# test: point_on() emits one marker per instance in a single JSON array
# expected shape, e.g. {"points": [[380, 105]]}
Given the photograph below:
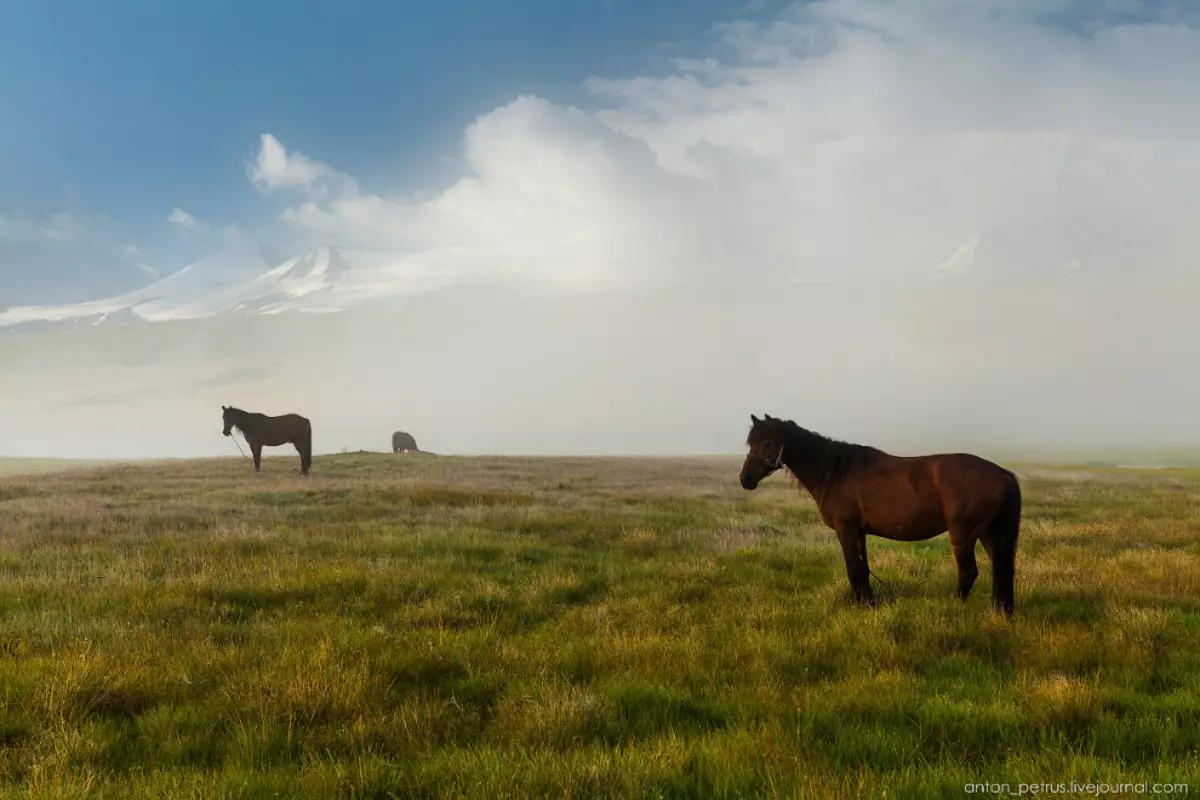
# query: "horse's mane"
{"points": [[832, 457], [241, 416]]}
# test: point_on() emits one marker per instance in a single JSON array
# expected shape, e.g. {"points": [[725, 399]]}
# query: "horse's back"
{"points": [[918, 497], [967, 471], [291, 422], [283, 429]]}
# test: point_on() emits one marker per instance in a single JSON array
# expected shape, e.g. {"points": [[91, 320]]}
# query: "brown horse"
{"points": [[863, 491], [263, 431]]}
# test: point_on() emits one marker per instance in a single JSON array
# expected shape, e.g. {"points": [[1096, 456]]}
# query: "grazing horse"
{"points": [[863, 491], [261, 430], [403, 442]]}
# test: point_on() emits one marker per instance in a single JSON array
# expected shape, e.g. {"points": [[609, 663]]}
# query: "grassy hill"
{"points": [[422, 626]]}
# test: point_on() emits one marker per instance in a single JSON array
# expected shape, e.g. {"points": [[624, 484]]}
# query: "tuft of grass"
{"points": [[503, 627]]}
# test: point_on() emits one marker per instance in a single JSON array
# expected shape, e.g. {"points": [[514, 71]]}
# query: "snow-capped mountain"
{"points": [[322, 280], [1014, 254], [1053, 248], [962, 260]]}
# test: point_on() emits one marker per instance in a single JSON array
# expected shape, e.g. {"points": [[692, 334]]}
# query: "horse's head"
{"points": [[227, 416], [765, 441]]}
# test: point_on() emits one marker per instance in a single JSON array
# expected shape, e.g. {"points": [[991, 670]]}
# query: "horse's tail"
{"points": [[306, 447], [1003, 531]]}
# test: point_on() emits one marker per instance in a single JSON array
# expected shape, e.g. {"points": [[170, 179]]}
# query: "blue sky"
{"points": [[128, 109]]}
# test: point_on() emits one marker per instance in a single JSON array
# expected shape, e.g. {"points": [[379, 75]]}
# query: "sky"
{"points": [[759, 192], [129, 124]]}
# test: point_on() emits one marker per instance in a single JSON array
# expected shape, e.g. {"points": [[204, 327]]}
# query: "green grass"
{"points": [[416, 626]]}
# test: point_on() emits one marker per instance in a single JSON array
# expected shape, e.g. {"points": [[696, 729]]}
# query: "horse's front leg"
{"points": [[256, 450], [854, 549]]}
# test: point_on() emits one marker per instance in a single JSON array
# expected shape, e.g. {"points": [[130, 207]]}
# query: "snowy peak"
{"points": [[322, 280], [1014, 253], [325, 263], [1071, 245], [961, 260], [320, 271]]}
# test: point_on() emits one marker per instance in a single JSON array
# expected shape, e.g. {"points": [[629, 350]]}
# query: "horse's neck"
{"points": [[813, 462], [244, 420]]}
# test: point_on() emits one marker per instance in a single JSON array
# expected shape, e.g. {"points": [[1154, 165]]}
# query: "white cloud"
{"points": [[64, 227], [556, 195], [232, 235], [63, 255], [203, 231], [848, 138], [134, 255], [59, 227], [275, 168], [14, 229], [183, 219]]}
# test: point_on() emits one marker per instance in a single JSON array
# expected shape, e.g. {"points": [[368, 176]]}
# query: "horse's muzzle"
{"points": [[748, 482]]}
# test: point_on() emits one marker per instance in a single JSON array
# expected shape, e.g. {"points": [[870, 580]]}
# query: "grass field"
{"points": [[421, 626]]}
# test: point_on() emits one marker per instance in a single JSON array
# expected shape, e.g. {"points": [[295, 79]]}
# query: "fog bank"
{"points": [[928, 364]]}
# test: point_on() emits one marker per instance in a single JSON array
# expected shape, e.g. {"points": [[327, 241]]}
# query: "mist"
{"points": [[922, 227], [652, 372]]}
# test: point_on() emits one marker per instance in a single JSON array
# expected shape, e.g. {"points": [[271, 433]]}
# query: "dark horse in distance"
{"points": [[403, 443], [263, 431], [863, 491]]}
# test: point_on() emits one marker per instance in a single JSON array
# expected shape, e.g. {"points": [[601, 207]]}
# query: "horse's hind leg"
{"points": [[1003, 558], [304, 448], [256, 451]]}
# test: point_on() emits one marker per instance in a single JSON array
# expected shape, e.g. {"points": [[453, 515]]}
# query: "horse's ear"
{"points": [[768, 418], [755, 420], [224, 408]]}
